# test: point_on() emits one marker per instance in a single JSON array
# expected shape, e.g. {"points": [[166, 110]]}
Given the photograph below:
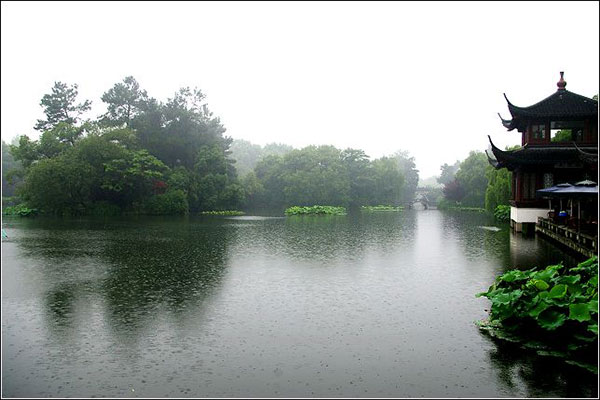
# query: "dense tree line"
{"points": [[12, 172], [247, 154], [324, 175], [141, 156], [473, 182], [153, 157]]}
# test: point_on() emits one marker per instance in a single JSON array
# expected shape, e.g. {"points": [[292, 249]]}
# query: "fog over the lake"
{"points": [[425, 77]]}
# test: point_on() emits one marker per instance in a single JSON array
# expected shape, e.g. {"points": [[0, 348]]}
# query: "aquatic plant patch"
{"points": [[315, 210], [20, 210], [227, 212], [381, 208], [553, 311]]}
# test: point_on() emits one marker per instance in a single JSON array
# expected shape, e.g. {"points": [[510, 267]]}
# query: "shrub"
{"points": [[172, 202], [502, 213], [554, 311], [104, 208]]}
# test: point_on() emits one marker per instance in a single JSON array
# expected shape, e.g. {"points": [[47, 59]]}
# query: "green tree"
{"points": [[12, 172], [472, 178], [60, 106], [388, 182], [27, 151], [131, 179], [270, 174], [564, 135], [246, 155], [407, 166], [360, 175], [60, 185], [253, 189], [124, 102], [448, 173], [315, 175], [214, 183], [279, 149], [498, 191]]}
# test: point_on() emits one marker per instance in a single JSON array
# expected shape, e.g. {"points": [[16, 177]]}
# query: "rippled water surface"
{"points": [[373, 305]]}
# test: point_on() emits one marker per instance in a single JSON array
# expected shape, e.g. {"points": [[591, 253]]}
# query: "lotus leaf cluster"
{"points": [[315, 210], [20, 210], [554, 311], [227, 212]]}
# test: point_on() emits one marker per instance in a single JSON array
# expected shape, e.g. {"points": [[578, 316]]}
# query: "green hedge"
{"points": [[172, 202]]}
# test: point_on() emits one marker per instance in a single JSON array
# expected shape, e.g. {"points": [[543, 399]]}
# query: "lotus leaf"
{"points": [[593, 306], [540, 284], [556, 302], [579, 312], [550, 319], [547, 273], [514, 275], [558, 291], [542, 306], [569, 279]]}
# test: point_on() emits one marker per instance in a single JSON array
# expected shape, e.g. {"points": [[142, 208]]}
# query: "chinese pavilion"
{"points": [[541, 162]]}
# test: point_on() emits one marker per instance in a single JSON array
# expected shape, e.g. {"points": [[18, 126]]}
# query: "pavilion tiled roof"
{"points": [[562, 105], [532, 155]]}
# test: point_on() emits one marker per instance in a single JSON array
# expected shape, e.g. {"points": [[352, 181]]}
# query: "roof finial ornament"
{"points": [[561, 83]]}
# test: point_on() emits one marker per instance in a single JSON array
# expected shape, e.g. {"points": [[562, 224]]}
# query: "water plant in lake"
{"points": [[381, 208], [502, 213], [227, 212], [315, 210], [553, 311], [20, 210], [446, 204]]}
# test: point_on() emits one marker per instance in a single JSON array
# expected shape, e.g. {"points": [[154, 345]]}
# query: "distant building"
{"points": [[542, 162]]}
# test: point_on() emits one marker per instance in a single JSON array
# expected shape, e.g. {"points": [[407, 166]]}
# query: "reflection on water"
{"points": [[364, 305], [545, 376]]}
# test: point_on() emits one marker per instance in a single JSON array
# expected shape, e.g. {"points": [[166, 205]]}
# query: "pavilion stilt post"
{"points": [[578, 214], [571, 201]]}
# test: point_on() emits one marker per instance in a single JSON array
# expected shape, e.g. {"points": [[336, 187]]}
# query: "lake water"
{"points": [[367, 305]]}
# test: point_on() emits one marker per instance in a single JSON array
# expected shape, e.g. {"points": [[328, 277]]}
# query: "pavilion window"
{"points": [[529, 185], [568, 130], [538, 131]]}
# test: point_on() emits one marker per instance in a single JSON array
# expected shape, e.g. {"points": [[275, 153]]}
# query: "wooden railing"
{"points": [[581, 242]]}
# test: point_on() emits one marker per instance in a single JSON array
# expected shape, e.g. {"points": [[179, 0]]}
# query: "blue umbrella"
{"points": [[567, 190], [586, 182]]}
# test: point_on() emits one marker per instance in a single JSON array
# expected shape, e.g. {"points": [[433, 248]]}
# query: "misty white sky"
{"points": [[425, 77]]}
